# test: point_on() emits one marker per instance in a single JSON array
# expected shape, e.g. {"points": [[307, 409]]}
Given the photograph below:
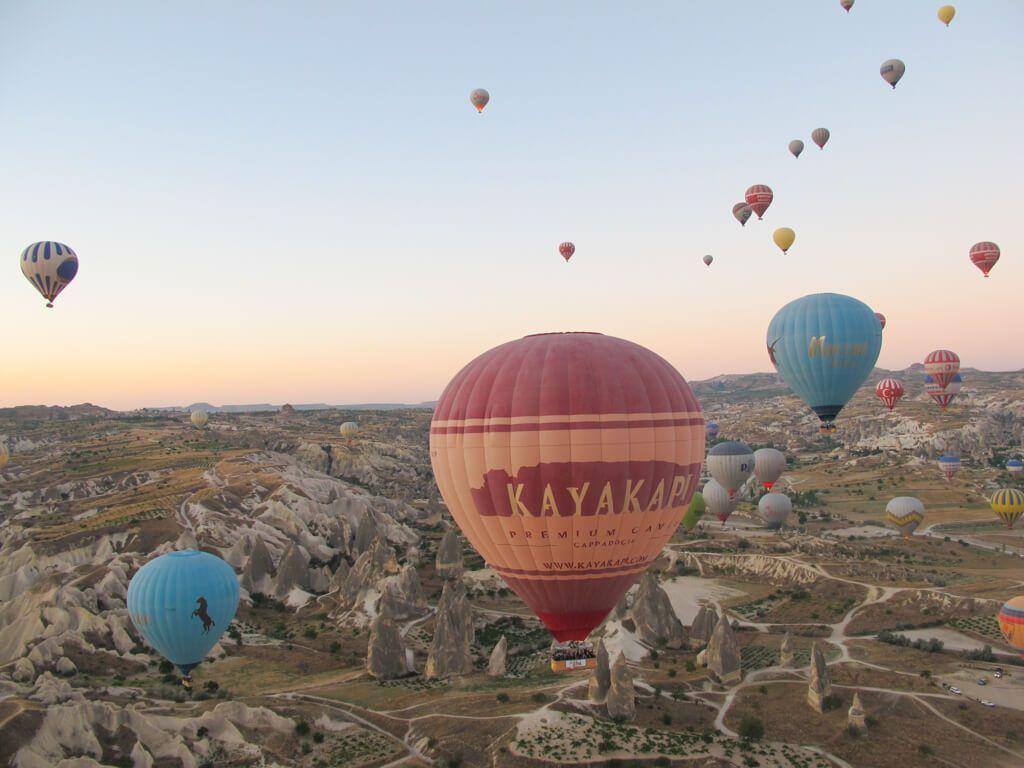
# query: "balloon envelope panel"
{"points": [[568, 460], [1011, 622], [824, 346], [181, 603]]}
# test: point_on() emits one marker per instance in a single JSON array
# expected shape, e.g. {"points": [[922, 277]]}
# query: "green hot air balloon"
{"points": [[694, 512]]}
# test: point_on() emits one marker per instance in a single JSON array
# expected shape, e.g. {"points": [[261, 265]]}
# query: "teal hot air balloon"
{"points": [[181, 603], [824, 347]]}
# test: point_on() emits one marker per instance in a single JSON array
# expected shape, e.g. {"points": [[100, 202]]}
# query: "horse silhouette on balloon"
{"points": [[203, 615]]}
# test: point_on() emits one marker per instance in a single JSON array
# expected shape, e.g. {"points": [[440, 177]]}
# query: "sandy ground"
{"points": [[688, 593], [865, 531], [1007, 692], [952, 639]]}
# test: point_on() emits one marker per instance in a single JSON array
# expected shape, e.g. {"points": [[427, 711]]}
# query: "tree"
{"points": [[751, 728]]}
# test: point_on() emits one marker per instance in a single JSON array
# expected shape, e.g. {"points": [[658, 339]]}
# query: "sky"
{"points": [[295, 202]]}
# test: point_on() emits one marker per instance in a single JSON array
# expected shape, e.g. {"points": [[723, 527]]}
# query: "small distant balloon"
{"points": [[730, 464], [718, 501], [905, 513], [784, 237], [567, 249], [949, 465], [769, 464], [759, 197], [946, 14], [943, 395], [820, 137], [984, 256], [694, 512], [50, 267], [710, 430], [796, 147], [1015, 466], [348, 430], [742, 212], [199, 418], [774, 508], [708, 259], [942, 366], [892, 71], [889, 391], [881, 319], [479, 98], [5, 455], [846, 4]]}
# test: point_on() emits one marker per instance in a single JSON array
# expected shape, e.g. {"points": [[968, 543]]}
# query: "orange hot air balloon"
{"points": [[568, 461]]}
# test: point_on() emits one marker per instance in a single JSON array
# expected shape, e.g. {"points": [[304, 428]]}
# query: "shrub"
{"points": [[318, 737], [302, 728], [751, 728], [691, 666], [502, 697]]}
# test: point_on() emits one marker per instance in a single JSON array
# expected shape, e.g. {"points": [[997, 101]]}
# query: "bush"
{"points": [[318, 737], [672, 672], [751, 728], [302, 728], [165, 667], [691, 666], [925, 750], [502, 697], [830, 702], [666, 719], [743, 544]]}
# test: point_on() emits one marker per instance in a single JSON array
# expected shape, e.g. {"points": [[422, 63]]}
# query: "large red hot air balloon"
{"points": [[568, 460], [759, 197], [942, 366], [567, 250], [889, 391], [984, 256]]}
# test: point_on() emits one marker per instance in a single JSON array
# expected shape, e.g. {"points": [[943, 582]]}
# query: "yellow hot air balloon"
{"points": [[784, 238], [199, 418], [1008, 504], [5, 455], [946, 14]]}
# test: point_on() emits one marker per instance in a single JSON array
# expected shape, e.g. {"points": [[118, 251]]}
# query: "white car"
{"points": [[987, 703], [954, 689]]}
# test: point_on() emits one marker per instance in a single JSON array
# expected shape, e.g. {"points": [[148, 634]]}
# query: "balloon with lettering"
{"points": [[1015, 466], [784, 237], [942, 366], [50, 267], [568, 460], [1011, 623], [181, 603], [774, 508], [730, 464], [567, 249], [720, 504], [820, 136], [1008, 504], [881, 319], [946, 14], [769, 464], [905, 513], [479, 98], [742, 212], [943, 395], [199, 419], [708, 259], [694, 512], [711, 430], [824, 346], [949, 465], [889, 391], [796, 147], [759, 197], [984, 256], [892, 71]]}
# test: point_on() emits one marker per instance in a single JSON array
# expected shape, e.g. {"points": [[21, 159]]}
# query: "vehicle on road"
{"points": [[954, 689], [987, 703], [982, 681]]}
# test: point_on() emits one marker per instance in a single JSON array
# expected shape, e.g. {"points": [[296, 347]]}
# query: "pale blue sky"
{"points": [[295, 201]]}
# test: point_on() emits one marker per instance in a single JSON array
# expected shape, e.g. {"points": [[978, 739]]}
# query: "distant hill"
{"points": [[265, 407], [54, 412]]}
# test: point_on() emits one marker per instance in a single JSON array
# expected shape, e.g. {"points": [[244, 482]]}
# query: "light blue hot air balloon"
{"points": [[824, 347], [181, 603]]}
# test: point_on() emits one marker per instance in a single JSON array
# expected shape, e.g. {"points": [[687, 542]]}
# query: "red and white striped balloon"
{"points": [[984, 256], [889, 391], [759, 197], [942, 366], [567, 249]]}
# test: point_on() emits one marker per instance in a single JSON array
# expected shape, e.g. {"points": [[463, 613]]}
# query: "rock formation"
{"points": [[256, 576], [855, 718], [371, 566], [621, 701], [787, 651], [449, 555], [703, 626], [820, 686], [385, 653], [340, 574], [497, 666], [402, 596], [652, 612], [24, 671], [723, 655], [292, 572], [601, 678], [450, 650], [65, 666], [366, 533]]}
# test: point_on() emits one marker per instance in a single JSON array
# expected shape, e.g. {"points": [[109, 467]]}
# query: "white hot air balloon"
{"points": [[769, 464], [717, 499], [774, 509], [905, 513], [199, 418], [348, 430], [731, 463], [796, 147], [892, 71]]}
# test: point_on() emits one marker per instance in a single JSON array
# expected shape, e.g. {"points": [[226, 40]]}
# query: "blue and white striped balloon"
{"points": [[50, 267]]}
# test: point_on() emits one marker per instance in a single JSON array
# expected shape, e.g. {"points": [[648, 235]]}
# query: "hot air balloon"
{"points": [[742, 212], [949, 465], [820, 137], [730, 464], [824, 347], [984, 256], [942, 395], [568, 460], [711, 430], [784, 238], [1011, 623], [881, 319], [717, 499], [50, 267], [796, 147], [199, 418], [567, 249], [946, 14], [479, 98], [906, 513], [892, 71], [1015, 466], [708, 259], [759, 197], [694, 512], [5, 455], [181, 603], [774, 508], [769, 464], [847, 5], [942, 366], [348, 430], [889, 391], [1008, 504]]}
